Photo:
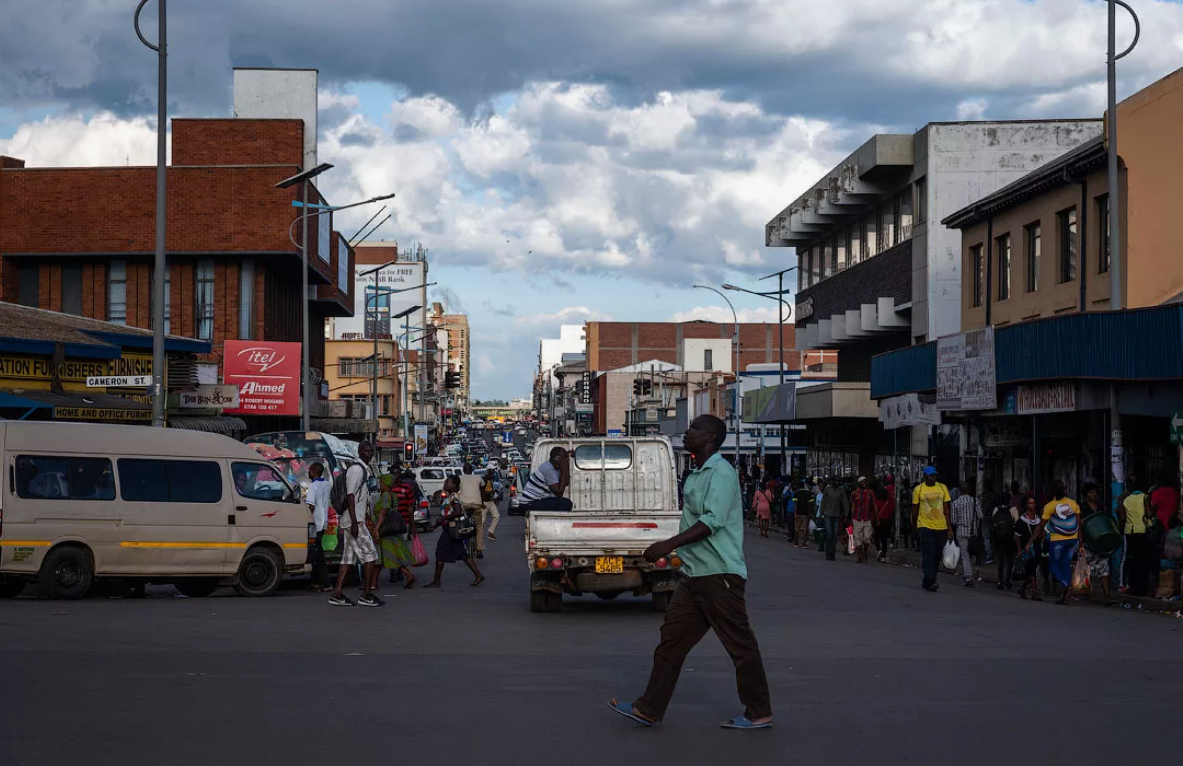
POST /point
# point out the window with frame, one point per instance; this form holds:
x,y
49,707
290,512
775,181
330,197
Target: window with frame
x,y
258,481
117,292
28,284
886,219
977,266
205,299
1003,246
1034,252
1103,234
921,199
47,477
1069,245
150,480
708,360
72,289
246,299
845,254
870,234
606,457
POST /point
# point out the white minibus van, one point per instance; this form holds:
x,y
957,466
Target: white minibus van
x,y
82,501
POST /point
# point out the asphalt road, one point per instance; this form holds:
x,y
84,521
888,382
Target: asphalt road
x,y
863,666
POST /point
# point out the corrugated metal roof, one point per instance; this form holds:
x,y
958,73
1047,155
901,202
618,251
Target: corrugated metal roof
x,y
909,369
1137,344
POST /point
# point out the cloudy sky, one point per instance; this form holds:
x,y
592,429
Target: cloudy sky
x,y
571,160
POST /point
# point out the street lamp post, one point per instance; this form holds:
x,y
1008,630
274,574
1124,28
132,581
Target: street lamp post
x,y
309,210
160,263
777,296
735,392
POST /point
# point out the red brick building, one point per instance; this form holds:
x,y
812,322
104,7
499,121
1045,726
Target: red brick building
x,y
81,240
612,345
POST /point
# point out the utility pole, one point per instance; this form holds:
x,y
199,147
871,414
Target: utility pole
x,y
160,263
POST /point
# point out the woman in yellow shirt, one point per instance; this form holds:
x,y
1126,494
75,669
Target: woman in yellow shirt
x,y
1061,521
1139,554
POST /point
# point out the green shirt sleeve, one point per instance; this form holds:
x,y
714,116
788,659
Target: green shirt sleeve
x,y
718,502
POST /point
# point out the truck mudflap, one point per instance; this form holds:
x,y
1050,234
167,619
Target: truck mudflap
x,y
664,584
540,583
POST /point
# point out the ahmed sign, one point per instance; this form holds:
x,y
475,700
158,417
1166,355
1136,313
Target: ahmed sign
x,y
267,376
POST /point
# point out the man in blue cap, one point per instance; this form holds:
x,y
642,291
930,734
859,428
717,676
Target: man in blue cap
x,y
930,519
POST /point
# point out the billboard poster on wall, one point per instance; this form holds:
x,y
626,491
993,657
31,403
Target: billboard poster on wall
x,y
374,306
267,376
966,377
420,440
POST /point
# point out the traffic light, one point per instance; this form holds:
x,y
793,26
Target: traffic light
x,y
408,452
636,387
451,379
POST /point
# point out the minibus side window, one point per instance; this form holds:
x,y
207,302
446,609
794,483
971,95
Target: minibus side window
x,y
259,482
60,478
169,481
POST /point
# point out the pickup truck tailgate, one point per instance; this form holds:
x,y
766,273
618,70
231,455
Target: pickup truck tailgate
x,y
599,532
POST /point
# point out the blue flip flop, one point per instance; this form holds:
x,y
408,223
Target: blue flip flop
x,y
743,722
625,709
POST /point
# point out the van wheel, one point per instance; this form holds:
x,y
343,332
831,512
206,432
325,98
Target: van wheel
x,y
197,587
259,574
66,573
11,588
661,601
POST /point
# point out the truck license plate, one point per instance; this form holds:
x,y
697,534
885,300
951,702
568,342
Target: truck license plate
x,y
609,565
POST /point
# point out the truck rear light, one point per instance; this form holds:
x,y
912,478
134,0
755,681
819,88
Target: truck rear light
x,y
675,561
541,564
556,563
661,563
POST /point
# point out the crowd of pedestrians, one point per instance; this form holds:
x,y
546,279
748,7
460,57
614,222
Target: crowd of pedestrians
x,y
377,531
1030,541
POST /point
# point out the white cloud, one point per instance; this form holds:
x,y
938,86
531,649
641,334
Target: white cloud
x,y
572,315
74,141
972,109
722,315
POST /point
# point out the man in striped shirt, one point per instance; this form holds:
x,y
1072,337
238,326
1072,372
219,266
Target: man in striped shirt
x,y
545,489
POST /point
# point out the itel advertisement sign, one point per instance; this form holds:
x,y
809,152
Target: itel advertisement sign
x,y
267,376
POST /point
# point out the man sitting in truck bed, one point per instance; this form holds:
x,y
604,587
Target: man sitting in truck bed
x,y
544,491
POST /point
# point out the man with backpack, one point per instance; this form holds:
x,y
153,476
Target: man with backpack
x,y
351,497
1001,521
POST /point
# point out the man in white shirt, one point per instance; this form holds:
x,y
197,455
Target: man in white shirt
x,y
318,504
545,489
359,544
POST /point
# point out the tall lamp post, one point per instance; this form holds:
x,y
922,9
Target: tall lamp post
x,y
309,210
785,311
735,392
160,265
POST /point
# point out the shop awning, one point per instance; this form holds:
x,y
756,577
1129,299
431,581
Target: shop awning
x,y
96,406
216,425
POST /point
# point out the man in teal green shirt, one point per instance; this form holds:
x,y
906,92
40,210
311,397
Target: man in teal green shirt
x,y
711,593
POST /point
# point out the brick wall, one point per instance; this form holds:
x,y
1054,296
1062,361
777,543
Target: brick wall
x,y
888,274
113,210
236,141
612,345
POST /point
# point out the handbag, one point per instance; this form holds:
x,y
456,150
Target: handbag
x,y
850,546
418,552
1018,570
461,527
951,556
393,524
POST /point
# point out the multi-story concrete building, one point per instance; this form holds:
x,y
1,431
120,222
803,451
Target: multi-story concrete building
x,y
878,269
1066,372
457,351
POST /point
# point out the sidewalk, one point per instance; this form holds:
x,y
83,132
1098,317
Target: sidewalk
x,y
989,574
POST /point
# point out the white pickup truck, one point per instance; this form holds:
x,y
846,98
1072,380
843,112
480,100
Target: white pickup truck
x,y
625,495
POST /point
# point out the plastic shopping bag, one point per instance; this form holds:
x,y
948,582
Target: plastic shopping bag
x,y
850,540
951,556
812,526
418,552
1080,574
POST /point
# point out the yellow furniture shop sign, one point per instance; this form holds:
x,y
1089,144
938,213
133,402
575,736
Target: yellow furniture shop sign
x,y
36,372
